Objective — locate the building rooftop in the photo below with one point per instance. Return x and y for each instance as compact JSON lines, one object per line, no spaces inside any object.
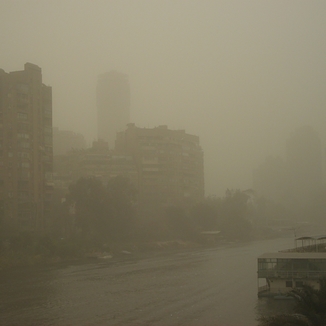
{"x":294,"y":255}
{"x":318,"y":237}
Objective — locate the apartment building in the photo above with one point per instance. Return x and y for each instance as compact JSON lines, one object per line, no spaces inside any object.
{"x":67,"y":140}
{"x":26,"y":153}
{"x":169,"y":163}
{"x":97,"y":161}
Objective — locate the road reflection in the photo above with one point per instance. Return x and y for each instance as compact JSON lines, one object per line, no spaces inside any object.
{"x":216,"y":286}
{"x":25,"y":291}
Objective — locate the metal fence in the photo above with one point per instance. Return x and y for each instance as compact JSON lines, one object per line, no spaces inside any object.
{"x":291,"y":274}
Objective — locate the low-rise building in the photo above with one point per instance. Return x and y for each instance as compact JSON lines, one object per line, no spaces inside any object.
{"x":169,"y":164}
{"x":97,"y":161}
{"x":282,"y":271}
{"x":67,"y":140}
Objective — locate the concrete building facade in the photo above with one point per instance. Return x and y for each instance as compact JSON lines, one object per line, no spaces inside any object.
{"x":169,"y":162}
{"x":26,"y":148}
{"x":113,"y":105}
{"x":98,"y":161}
{"x":67,"y":140}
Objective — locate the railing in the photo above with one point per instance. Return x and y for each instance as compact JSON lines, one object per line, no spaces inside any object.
{"x":263,"y":288}
{"x":292,"y":274}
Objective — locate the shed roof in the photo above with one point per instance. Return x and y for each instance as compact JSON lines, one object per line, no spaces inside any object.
{"x":294,"y":255}
{"x":210,"y":232}
{"x":318,"y":237}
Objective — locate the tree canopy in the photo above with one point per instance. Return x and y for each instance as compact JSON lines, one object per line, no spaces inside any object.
{"x":309,"y":309}
{"x":230,"y":215}
{"x":103,"y":211}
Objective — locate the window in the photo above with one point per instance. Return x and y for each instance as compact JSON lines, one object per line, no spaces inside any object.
{"x":288,"y":284}
{"x":24,"y":155}
{"x":299,"y":284}
{"x":25,"y":144}
{"x":23,"y":127}
{"x":22,"y":136}
{"x":25,"y":165}
{"x":22,"y":116}
{"x":22,"y":88}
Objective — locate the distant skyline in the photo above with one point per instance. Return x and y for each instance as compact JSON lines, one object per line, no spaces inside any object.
{"x":296,"y":180}
{"x":242,"y":75}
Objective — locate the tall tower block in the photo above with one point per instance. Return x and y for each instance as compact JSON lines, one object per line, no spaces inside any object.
{"x":26,"y":153}
{"x":113,"y":105}
{"x":304,"y":164}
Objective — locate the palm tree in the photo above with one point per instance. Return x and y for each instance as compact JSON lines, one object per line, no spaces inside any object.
{"x":311,"y":302}
{"x":285,"y":320}
{"x":309,"y":310}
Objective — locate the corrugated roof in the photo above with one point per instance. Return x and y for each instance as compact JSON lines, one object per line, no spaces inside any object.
{"x":319,"y":237}
{"x":294,"y":255}
{"x":210,"y":232}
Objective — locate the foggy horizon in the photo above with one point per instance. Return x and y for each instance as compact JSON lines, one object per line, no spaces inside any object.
{"x":240,"y":75}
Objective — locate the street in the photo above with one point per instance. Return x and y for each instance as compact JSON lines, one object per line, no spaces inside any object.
{"x":216,"y":286}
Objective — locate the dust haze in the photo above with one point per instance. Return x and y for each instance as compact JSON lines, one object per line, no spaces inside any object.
{"x":242,"y":75}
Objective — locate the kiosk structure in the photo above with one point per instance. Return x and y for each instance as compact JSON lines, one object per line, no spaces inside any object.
{"x":280,"y":272}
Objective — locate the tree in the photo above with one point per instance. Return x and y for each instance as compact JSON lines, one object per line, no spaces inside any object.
{"x":206,"y":214}
{"x":285,"y":320}
{"x":103,"y":212}
{"x":88,"y":197}
{"x":235,"y":213}
{"x":309,"y":310}
{"x":121,"y":206}
{"x":311,"y":302}
{"x":178,"y":223}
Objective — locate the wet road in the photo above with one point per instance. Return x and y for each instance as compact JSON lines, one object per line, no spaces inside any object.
{"x":202,"y":287}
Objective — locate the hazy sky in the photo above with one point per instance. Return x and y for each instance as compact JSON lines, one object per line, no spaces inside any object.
{"x":240,"y":74}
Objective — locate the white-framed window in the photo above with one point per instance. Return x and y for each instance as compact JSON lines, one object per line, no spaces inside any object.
{"x":22,"y":116}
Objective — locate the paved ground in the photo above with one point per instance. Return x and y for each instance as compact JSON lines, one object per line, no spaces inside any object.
{"x":203,"y":287}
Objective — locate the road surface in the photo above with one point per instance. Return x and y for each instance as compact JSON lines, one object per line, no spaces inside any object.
{"x":216,"y":286}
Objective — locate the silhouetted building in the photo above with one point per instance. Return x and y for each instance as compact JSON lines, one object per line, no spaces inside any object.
{"x":98,"y":161}
{"x":304,"y":165}
{"x":270,"y":179}
{"x":295,"y":182}
{"x":169,"y":163}
{"x":113,"y":105}
{"x":67,"y":140}
{"x":26,"y":157}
